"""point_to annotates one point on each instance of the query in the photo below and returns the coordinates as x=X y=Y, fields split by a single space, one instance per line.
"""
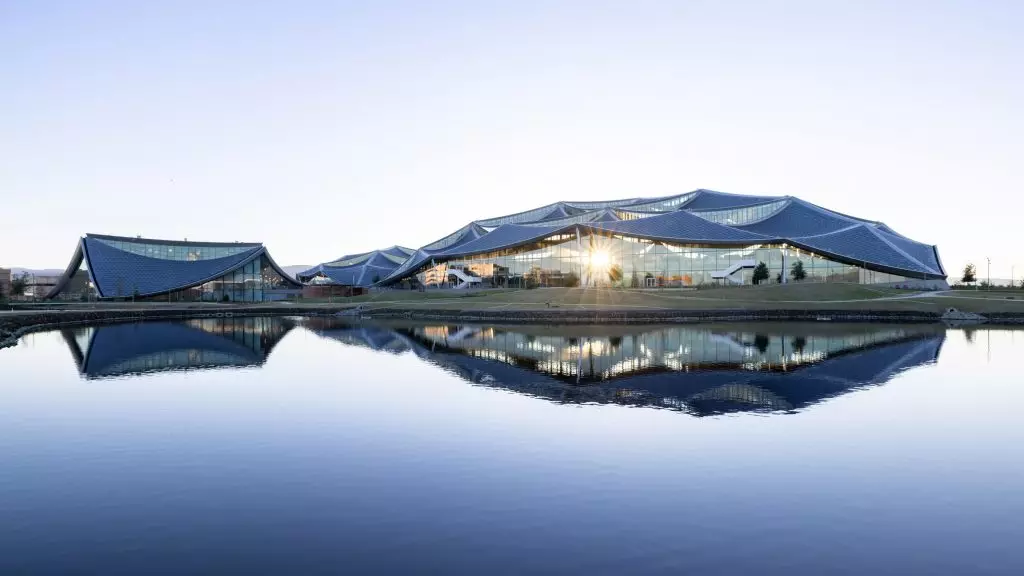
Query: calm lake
x=316 y=446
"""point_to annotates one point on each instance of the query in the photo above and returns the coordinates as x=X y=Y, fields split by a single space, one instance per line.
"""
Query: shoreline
x=14 y=325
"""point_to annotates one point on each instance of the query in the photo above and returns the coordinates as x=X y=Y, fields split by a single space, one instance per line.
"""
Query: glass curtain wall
x=189 y=252
x=627 y=262
x=255 y=282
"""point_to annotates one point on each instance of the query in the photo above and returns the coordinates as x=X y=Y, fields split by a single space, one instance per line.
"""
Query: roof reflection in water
x=138 y=348
x=702 y=370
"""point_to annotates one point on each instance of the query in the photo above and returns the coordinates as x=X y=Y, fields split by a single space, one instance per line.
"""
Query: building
x=698 y=238
x=37 y=286
x=120 y=268
x=352 y=274
x=5 y=282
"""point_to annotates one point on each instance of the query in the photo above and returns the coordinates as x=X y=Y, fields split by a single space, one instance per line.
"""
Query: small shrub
x=798 y=273
x=760 y=273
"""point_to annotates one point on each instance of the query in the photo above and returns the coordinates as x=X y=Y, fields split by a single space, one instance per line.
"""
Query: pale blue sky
x=323 y=128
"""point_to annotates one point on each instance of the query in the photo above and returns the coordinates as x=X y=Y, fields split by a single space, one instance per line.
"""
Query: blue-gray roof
x=712 y=200
x=365 y=269
x=862 y=243
x=504 y=236
x=797 y=218
x=923 y=253
x=120 y=273
x=679 y=226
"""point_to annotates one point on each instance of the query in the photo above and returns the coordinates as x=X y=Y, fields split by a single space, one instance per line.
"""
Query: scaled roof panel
x=504 y=236
x=680 y=226
x=923 y=253
x=120 y=273
x=799 y=219
x=359 y=270
x=712 y=200
x=862 y=243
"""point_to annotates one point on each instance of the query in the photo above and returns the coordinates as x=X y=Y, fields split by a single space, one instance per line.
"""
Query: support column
x=785 y=264
x=584 y=282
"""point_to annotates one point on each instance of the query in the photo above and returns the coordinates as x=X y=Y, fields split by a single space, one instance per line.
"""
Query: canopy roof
x=363 y=269
x=121 y=266
x=697 y=217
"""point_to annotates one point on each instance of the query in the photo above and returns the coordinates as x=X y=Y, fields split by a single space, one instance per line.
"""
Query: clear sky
x=324 y=128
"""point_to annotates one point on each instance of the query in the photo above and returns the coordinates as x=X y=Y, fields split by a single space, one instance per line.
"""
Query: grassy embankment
x=833 y=297
x=773 y=297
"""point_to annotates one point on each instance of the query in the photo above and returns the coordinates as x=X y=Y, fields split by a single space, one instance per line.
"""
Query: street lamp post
x=989 y=271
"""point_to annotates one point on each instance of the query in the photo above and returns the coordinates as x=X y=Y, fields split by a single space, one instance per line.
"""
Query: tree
x=778 y=278
x=635 y=281
x=615 y=273
x=760 y=273
x=798 y=273
x=970 y=274
x=19 y=284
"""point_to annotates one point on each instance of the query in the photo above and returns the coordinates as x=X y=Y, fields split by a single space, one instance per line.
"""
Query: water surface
x=314 y=446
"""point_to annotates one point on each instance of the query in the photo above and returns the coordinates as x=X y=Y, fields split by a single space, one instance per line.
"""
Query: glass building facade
x=257 y=281
x=617 y=261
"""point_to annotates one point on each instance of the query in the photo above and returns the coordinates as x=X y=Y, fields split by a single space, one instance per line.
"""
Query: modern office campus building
x=5 y=282
x=353 y=273
x=697 y=238
x=685 y=240
x=115 y=267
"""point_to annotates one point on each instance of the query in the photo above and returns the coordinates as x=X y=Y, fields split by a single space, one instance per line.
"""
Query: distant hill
x=16 y=271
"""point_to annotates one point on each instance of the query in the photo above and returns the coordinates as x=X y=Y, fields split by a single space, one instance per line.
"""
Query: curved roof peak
x=119 y=268
x=358 y=269
x=705 y=199
x=184 y=242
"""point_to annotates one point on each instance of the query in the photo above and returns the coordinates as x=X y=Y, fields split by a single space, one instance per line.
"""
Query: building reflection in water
x=139 y=348
x=702 y=370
